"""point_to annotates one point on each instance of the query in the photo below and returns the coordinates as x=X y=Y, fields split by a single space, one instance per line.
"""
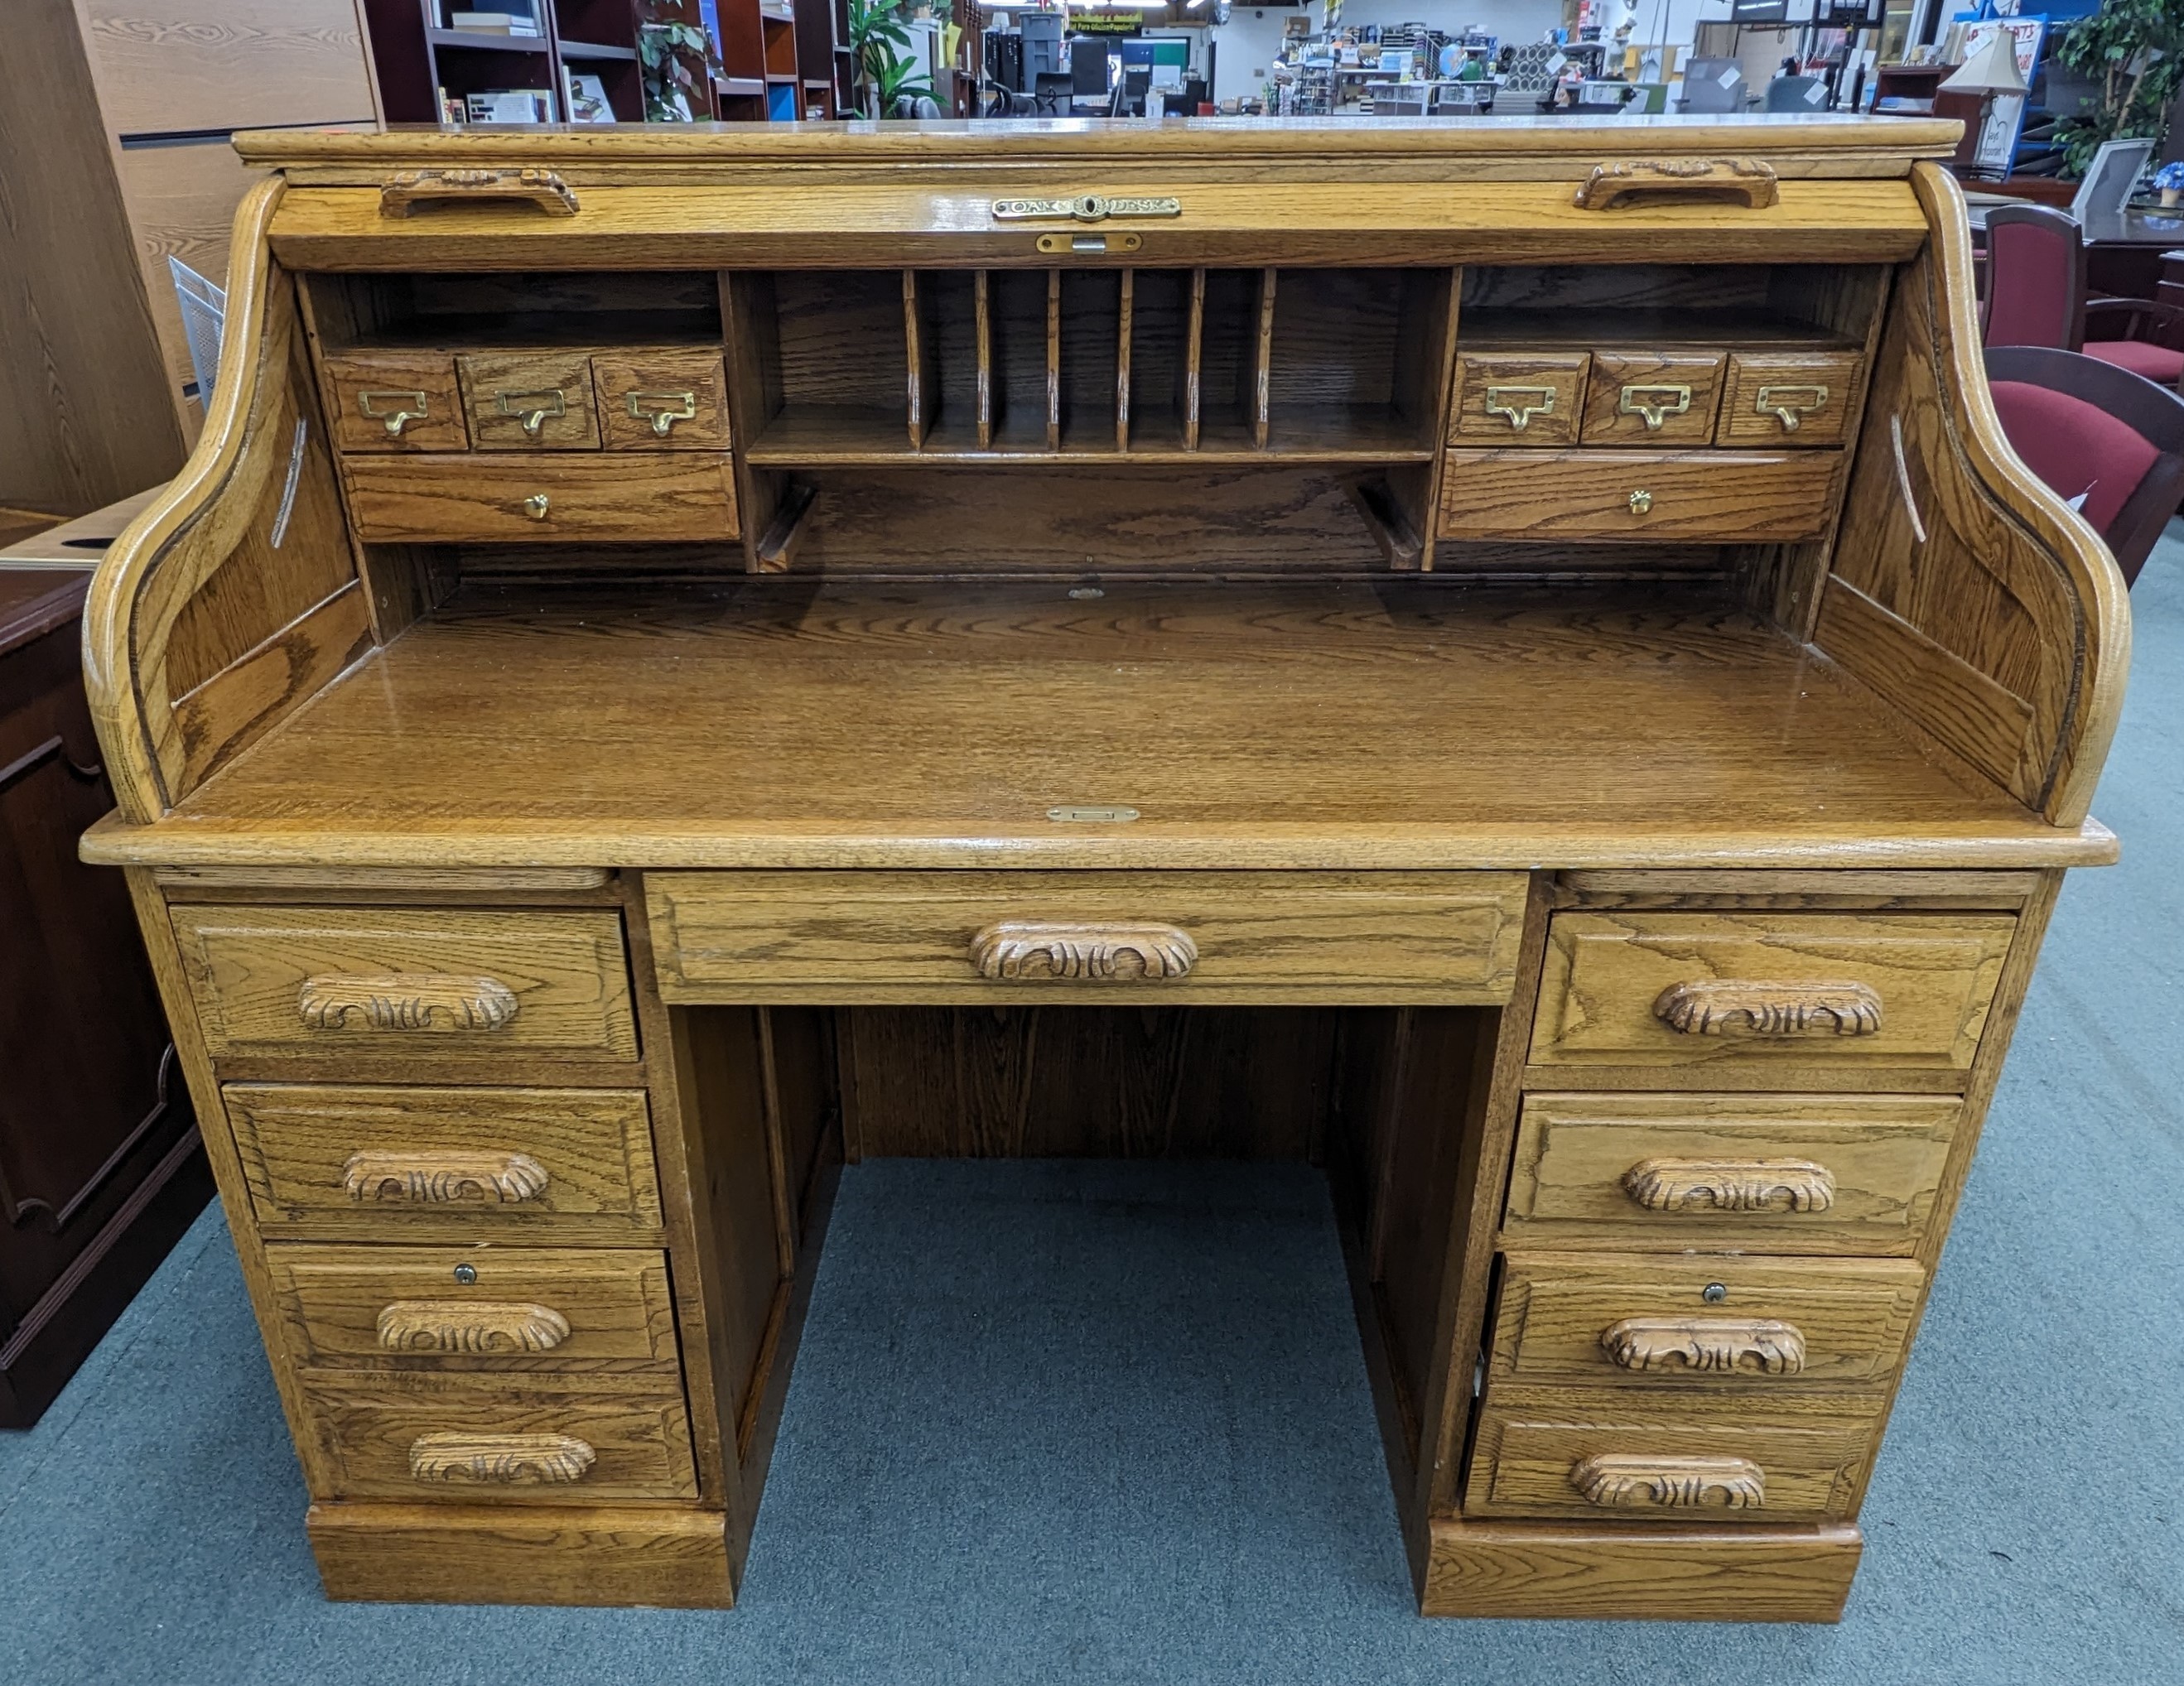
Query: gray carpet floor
x=1063 y=1422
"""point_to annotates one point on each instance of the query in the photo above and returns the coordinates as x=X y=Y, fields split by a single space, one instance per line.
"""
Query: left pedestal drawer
x=455 y=984
x=473 y=1439
x=390 y=1162
x=502 y=1310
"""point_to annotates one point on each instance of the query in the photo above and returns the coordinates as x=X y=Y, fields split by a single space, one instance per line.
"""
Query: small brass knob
x=535 y=506
x=1640 y=502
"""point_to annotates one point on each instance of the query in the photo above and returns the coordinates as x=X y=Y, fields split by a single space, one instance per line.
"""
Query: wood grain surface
x=1606 y=974
x=1333 y=726
x=1882 y=1156
x=297 y=1143
x=247 y=966
x=1854 y=1316
x=665 y=495
x=1700 y=495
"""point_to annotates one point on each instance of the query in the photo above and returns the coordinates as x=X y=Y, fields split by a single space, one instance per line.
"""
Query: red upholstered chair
x=2036 y=295
x=2097 y=432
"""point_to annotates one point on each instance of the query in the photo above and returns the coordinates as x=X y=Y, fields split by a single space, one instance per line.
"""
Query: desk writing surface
x=1250 y=723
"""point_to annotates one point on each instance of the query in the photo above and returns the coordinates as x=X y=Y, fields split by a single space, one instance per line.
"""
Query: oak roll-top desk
x=1508 y=660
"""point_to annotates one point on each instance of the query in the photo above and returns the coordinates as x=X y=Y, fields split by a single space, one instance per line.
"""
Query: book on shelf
x=494 y=23
x=512 y=105
x=587 y=99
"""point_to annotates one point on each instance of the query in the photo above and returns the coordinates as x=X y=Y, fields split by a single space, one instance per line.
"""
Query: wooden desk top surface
x=1314 y=725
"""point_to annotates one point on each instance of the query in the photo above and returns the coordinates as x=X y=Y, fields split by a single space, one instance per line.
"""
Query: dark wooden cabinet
x=100 y=1166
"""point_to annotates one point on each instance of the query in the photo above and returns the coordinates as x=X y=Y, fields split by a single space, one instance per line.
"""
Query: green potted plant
x=2134 y=52
x=880 y=47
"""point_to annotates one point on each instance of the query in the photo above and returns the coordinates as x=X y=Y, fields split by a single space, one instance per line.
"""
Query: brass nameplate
x=1084 y=208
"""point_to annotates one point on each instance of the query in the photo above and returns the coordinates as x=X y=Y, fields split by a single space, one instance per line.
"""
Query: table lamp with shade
x=1986 y=75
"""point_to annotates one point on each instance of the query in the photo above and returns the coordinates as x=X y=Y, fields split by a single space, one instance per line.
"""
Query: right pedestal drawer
x=1768 y=988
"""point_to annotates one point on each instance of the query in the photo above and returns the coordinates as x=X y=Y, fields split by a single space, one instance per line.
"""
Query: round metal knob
x=1640 y=502
x=1714 y=1292
x=467 y=1274
x=535 y=506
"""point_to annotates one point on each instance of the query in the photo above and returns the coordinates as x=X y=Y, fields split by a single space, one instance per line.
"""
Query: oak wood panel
x=1854 y=1314
x=668 y=495
x=1607 y=974
x=529 y=400
x=1620 y=1571
x=612 y=1303
x=657 y=1557
x=1531 y=1449
x=298 y=1145
x=1907 y=892
x=167 y=69
x=1704 y=496
x=2004 y=581
x=1663 y=379
x=655 y=380
x=222 y=716
x=1394 y=726
x=1577 y=1180
x=446 y=880
x=366 y=1427
x=843 y=937
x=248 y=967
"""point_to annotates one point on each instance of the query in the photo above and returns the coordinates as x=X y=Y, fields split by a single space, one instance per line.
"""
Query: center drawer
x=848 y=938
x=554 y=497
x=1702 y=1324
x=452 y=983
x=474 y=1308
x=1710 y=496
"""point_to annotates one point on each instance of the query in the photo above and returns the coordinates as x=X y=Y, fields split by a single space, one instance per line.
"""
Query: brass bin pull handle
x=1623 y=1481
x=400 y=195
x=1647 y=183
x=1791 y=404
x=533 y=410
x=1656 y=403
x=1024 y=950
x=1736 y=1006
x=1519 y=404
x=662 y=409
x=408 y=407
x=404 y=1001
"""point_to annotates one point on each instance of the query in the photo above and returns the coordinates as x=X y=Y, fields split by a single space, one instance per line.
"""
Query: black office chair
x=1050 y=93
x=1007 y=103
x=1130 y=94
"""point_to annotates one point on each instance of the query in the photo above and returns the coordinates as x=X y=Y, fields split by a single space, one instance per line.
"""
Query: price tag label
x=1728 y=78
x=1555 y=64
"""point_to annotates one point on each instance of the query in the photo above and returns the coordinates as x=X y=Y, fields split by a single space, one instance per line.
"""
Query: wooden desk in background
x=1524 y=676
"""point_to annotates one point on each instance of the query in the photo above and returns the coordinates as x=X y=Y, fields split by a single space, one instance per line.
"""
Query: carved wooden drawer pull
x=444 y=1179
x=405 y=1001
x=479 y=1326
x=1731 y=1185
x=1736 y=1006
x=1024 y=949
x=1766 y=1345
x=500 y=1459
x=1621 y=1481
x=1632 y=183
x=401 y=195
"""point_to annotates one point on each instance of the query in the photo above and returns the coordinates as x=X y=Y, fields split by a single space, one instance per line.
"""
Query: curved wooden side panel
x=1963 y=590
x=235 y=593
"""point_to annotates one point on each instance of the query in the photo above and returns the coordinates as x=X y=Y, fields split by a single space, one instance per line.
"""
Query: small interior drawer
x=480 y=1440
x=1652 y=397
x=394 y=401
x=1789 y=398
x=1765 y=1173
x=390 y=1161
x=488 y=1307
x=1611 y=1456
x=1710 y=496
x=1768 y=988
x=529 y=400
x=447 y=982
x=1172 y=937
x=557 y=497
x=660 y=400
x=1528 y=399
x=1700 y=1323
